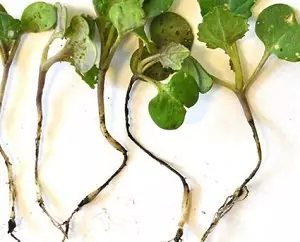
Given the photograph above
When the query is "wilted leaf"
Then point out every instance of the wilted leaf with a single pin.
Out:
(173, 55)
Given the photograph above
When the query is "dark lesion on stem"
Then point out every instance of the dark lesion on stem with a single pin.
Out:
(187, 194)
(114, 143)
(7, 60)
(242, 191)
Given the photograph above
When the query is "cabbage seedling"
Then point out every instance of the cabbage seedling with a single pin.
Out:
(117, 19)
(224, 23)
(11, 30)
(79, 50)
(172, 38)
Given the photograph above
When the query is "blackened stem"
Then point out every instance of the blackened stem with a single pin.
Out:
(186, 190)
(241, 192)
(104, 65)
(11, 182)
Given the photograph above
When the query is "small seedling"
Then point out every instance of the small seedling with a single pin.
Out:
(172, 37)
(79, 50)
(224, 23)
(116, 19)
(11, 31)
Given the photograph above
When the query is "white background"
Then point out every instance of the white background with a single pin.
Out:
(214, 149)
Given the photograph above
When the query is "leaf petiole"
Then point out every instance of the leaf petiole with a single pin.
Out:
(109, 43)
(60, 56)
(3, 53)
(261, 64)
(147, 63)
(111, 54)
(157, 84)
(224, 83)
(236, 64)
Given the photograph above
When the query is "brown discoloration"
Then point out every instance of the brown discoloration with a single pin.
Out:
(104, 65)
(7, 61)
(242, 192)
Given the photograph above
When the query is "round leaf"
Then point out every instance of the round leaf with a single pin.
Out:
(78, 26)
(278, 29)
(154, 8)
(168, 113)
(38, 17)
(127, 16)
(167, 109)
(184, 88)
(171, 27)
(83, 51)
(192, 67)
(9, 28)
(84, 54)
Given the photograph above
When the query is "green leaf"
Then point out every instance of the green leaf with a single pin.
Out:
(192, 67)
(208, 5)
(141, 34)
(39, 17)
(171, 27)
(183, 87)
(278, 29)
(167, 109)
(156, 72)
(237, 7)
(10, 28)
(154, 8)
(127, 16)
(83, 51)
(172, 56)
(241, 7)
(220, 29)
(90, 77)
(2, 9)
(78, 26)
(167, 112)
(102, 7)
